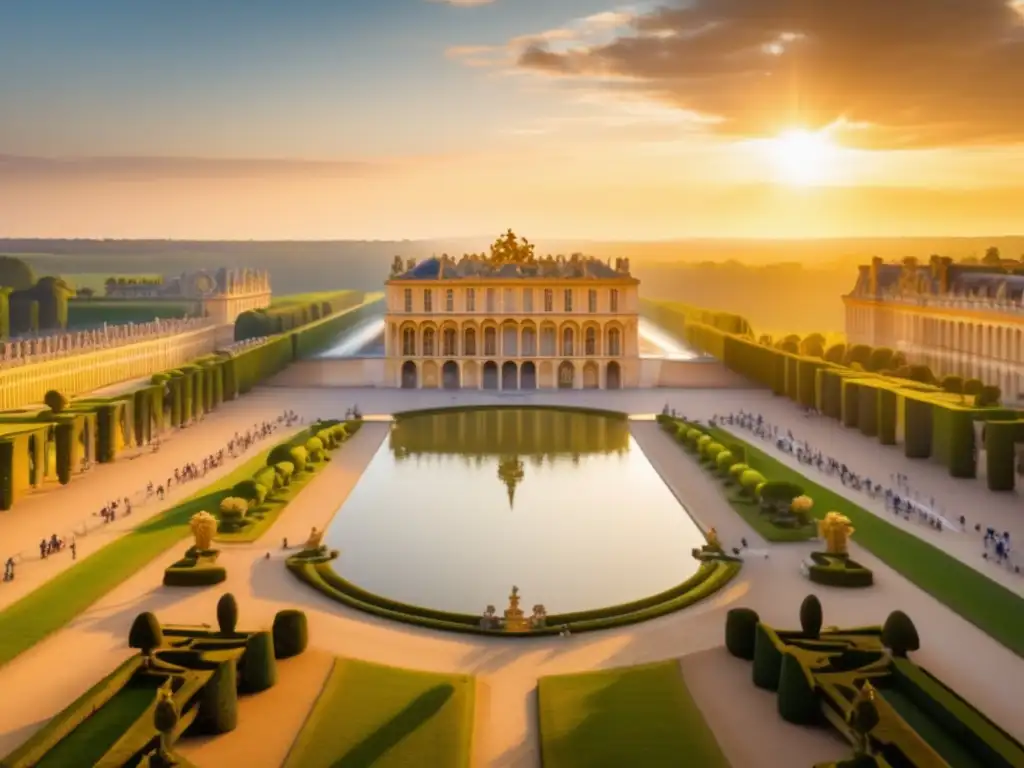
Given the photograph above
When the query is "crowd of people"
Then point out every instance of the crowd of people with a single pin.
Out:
(237, 445)
(898, 496)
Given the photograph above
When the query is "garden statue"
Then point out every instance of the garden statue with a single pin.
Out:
(863, 717)
(315, 537)
(204, 526)
(713, 541)
(801, 507)
(489, 620)
(835, 529)
(539, 618)
(515, 621)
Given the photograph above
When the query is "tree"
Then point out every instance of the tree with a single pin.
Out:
(146, 634)
(899, 634)
(85, 293)
(991, 256)
(227, 613)
(16, 274)
(55, 401)
(811, 617)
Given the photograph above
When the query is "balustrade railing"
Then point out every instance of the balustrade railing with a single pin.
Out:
(20, 352)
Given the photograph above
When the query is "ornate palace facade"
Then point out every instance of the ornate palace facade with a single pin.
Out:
(511, 320)
(962, 319)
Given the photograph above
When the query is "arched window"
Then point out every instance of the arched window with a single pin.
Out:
(548, 341)
(469, 342)
(614, 342)
(590, 342)
(567, 342)
(490, 341)
(428, 342)
(448, 342)
(529, 342)
(408, 342)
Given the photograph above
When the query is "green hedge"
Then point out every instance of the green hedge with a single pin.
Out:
(886, 411)
(201, 571)
(711, 576)
(830, 386)
(953, 440)
(106, 437)
(64, 436)
(838, 571)
(313, 338)
(1001, 438)
(867, 410)
(851, 403)
(917, 429)
(282, 317)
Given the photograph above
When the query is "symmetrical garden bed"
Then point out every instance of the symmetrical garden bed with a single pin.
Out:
(186, 682)
(861, 682)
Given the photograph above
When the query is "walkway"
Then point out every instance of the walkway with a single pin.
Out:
(72, 511)
(866, 457)
(743, 719)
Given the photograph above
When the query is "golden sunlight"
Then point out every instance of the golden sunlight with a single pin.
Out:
(803, 158)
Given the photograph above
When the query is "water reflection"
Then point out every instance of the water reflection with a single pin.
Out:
(458, 506)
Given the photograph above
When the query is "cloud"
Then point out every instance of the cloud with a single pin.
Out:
(24, 167)
(914, 73)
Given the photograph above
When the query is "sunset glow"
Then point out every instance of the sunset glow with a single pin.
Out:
(589, 118)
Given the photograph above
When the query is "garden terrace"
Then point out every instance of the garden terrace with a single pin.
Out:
(981, 601)
(922, 416)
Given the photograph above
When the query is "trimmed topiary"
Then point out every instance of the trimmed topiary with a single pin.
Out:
(767, 659)
(227, 614)
(291, 633)
(711, 450)
(251, 491)
(741, 632)
(285, 470)
(798, 700)
(218, 701)
(315, 448)
(259, 667)
(811, 617)
(145, 634)
(749, 481)
(55, 401)
(899, 634)
(724, 461)
(703, 441)
(298, 457)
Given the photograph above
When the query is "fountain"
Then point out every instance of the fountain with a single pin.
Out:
(515, 619)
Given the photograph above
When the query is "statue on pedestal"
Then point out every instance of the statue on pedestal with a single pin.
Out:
(315, 537)
(835, 529)
(204, 526)
(515, 620)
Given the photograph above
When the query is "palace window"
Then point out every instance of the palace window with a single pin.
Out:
(490, 340)
(469, 342)
(408, 340)
(428, 342)
(471, 300)
(509, 300)
(448, 342)
(527, 300)
(614, 300)
(567, 300)
(509, 340)
(408, 299)
(567, 342)
(614, 342)
(492, 300)
(547, 342)
(590, 342)
(549, 300)
(449, 300)
(428, 300)
(529, 342)
(592, 301)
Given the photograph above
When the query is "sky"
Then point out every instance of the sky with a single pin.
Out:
(393, 119)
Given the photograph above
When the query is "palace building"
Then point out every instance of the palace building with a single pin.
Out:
(959, 319)
(511, 320)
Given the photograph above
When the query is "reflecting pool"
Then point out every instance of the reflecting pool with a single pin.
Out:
(456, 508)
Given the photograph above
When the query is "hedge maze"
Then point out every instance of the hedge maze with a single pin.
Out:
(862, 683)
(871, 390)
(185, 681)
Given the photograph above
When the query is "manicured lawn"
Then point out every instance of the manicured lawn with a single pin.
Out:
(642, 716)
(370, 714)
(989, 606)
(88, 312)
(62, 598)
(91, 740)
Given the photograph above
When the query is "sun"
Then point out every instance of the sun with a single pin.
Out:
(802, 157)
